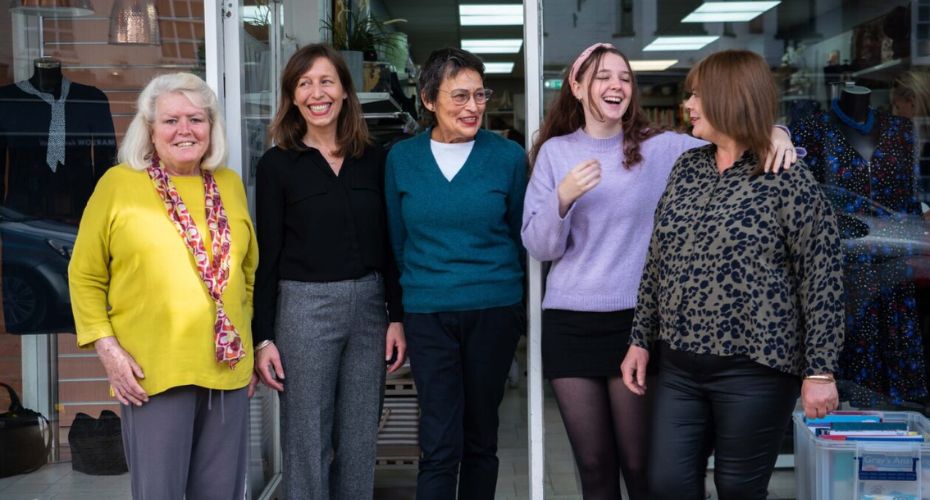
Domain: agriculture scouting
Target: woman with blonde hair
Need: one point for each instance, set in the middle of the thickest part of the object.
(161, 286)
(910, 97)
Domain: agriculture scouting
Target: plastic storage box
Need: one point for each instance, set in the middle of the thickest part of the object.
(862, 470)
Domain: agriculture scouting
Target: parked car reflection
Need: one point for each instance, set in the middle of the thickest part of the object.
(35, 273)
(869, 228)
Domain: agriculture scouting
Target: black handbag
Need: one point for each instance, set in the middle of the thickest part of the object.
(25, 438)
(97, 444)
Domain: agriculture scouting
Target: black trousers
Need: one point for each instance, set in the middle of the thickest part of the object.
(460, 362)
(732, 405)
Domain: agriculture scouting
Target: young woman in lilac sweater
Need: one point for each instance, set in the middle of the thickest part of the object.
(599, 168)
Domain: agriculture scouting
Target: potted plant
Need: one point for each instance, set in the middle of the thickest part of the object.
(356, 29)
(359, 35)
(257, 20)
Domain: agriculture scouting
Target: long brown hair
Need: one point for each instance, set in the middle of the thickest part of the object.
(288, 128)
(738, 97)
(566, 114)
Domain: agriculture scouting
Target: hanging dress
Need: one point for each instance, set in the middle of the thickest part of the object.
(883, 350)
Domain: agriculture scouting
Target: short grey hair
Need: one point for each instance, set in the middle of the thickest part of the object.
(442, 64)
(137, 149)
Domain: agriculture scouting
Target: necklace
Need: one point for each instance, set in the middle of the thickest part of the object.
(332, 160)
(861, 127)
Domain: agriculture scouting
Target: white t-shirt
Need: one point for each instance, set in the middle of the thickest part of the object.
(451, 157)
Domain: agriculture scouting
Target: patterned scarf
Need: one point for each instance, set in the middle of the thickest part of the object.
(215, 275)
(55, 151)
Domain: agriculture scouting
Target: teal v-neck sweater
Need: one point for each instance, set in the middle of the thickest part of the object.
(457, 243)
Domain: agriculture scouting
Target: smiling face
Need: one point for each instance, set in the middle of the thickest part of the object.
(605, 92)
(320, 95)
(701, 128)
(457, 122)
(180, 133)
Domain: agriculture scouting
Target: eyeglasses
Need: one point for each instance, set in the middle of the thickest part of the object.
(461, 96)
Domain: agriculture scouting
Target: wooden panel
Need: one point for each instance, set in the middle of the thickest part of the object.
(10, 345)
(69, 368)
(76, 392)
(67, 344)
(11, 372)
(398, 438)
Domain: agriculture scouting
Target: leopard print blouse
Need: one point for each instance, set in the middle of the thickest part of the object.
(743, 264)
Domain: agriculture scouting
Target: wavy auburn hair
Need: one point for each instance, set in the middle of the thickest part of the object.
(566, 113)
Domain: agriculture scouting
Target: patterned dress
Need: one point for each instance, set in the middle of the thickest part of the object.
(883, 354)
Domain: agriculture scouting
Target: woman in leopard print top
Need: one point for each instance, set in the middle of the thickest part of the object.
(741, 294)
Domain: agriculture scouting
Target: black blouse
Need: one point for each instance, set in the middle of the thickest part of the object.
(315, 226)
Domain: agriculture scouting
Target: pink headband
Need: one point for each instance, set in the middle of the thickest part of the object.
(584, 57)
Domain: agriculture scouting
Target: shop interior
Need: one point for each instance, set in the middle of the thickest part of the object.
(819, 50)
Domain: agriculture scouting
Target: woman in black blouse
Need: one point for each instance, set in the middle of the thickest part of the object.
(327, 301)
(741, 294)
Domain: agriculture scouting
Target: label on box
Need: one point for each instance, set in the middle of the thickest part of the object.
(887, 467)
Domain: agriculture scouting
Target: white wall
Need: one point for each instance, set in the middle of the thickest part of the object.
(302, 19)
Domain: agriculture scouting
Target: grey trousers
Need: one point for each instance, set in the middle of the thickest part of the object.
(188, 440)
(331, 337)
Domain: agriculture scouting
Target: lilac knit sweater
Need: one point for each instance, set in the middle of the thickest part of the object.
(599, 248)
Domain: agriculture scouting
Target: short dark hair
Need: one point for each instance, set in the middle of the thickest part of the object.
(289, 127)
(442, 64)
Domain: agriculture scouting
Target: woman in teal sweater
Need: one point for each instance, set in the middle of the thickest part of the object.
(454, 204)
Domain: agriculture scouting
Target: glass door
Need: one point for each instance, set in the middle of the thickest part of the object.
(254, 52)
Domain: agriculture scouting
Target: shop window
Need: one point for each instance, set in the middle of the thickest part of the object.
(70, 73)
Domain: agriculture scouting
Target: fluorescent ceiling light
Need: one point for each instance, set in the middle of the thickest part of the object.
(652, 64)
(492, 46)
(722, 12)
(498, 67)
(671, 43)
(491, 15)
(720, 17)
(737, 6)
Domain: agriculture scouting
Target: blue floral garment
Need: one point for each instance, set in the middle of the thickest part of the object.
(883, 353)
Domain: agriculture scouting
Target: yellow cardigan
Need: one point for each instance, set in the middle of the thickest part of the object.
(132, 276)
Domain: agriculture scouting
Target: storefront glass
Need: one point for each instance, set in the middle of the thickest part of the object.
(876, 181)
(70, 74)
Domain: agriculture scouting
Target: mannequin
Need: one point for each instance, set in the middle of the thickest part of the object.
(854, 104)
(56, 140)
(46, 76)
(867, 156)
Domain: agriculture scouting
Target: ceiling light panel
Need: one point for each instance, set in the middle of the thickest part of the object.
(493, 46)
(737, 6)
(723, 12)
(671, 43)
(491, 15)
(498, 67)
(652, 64)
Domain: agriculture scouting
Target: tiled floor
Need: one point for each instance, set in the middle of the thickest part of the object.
(59, 482)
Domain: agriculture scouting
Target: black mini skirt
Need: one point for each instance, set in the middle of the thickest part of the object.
(584, 344)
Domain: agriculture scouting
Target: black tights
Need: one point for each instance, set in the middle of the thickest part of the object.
(608, 428)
